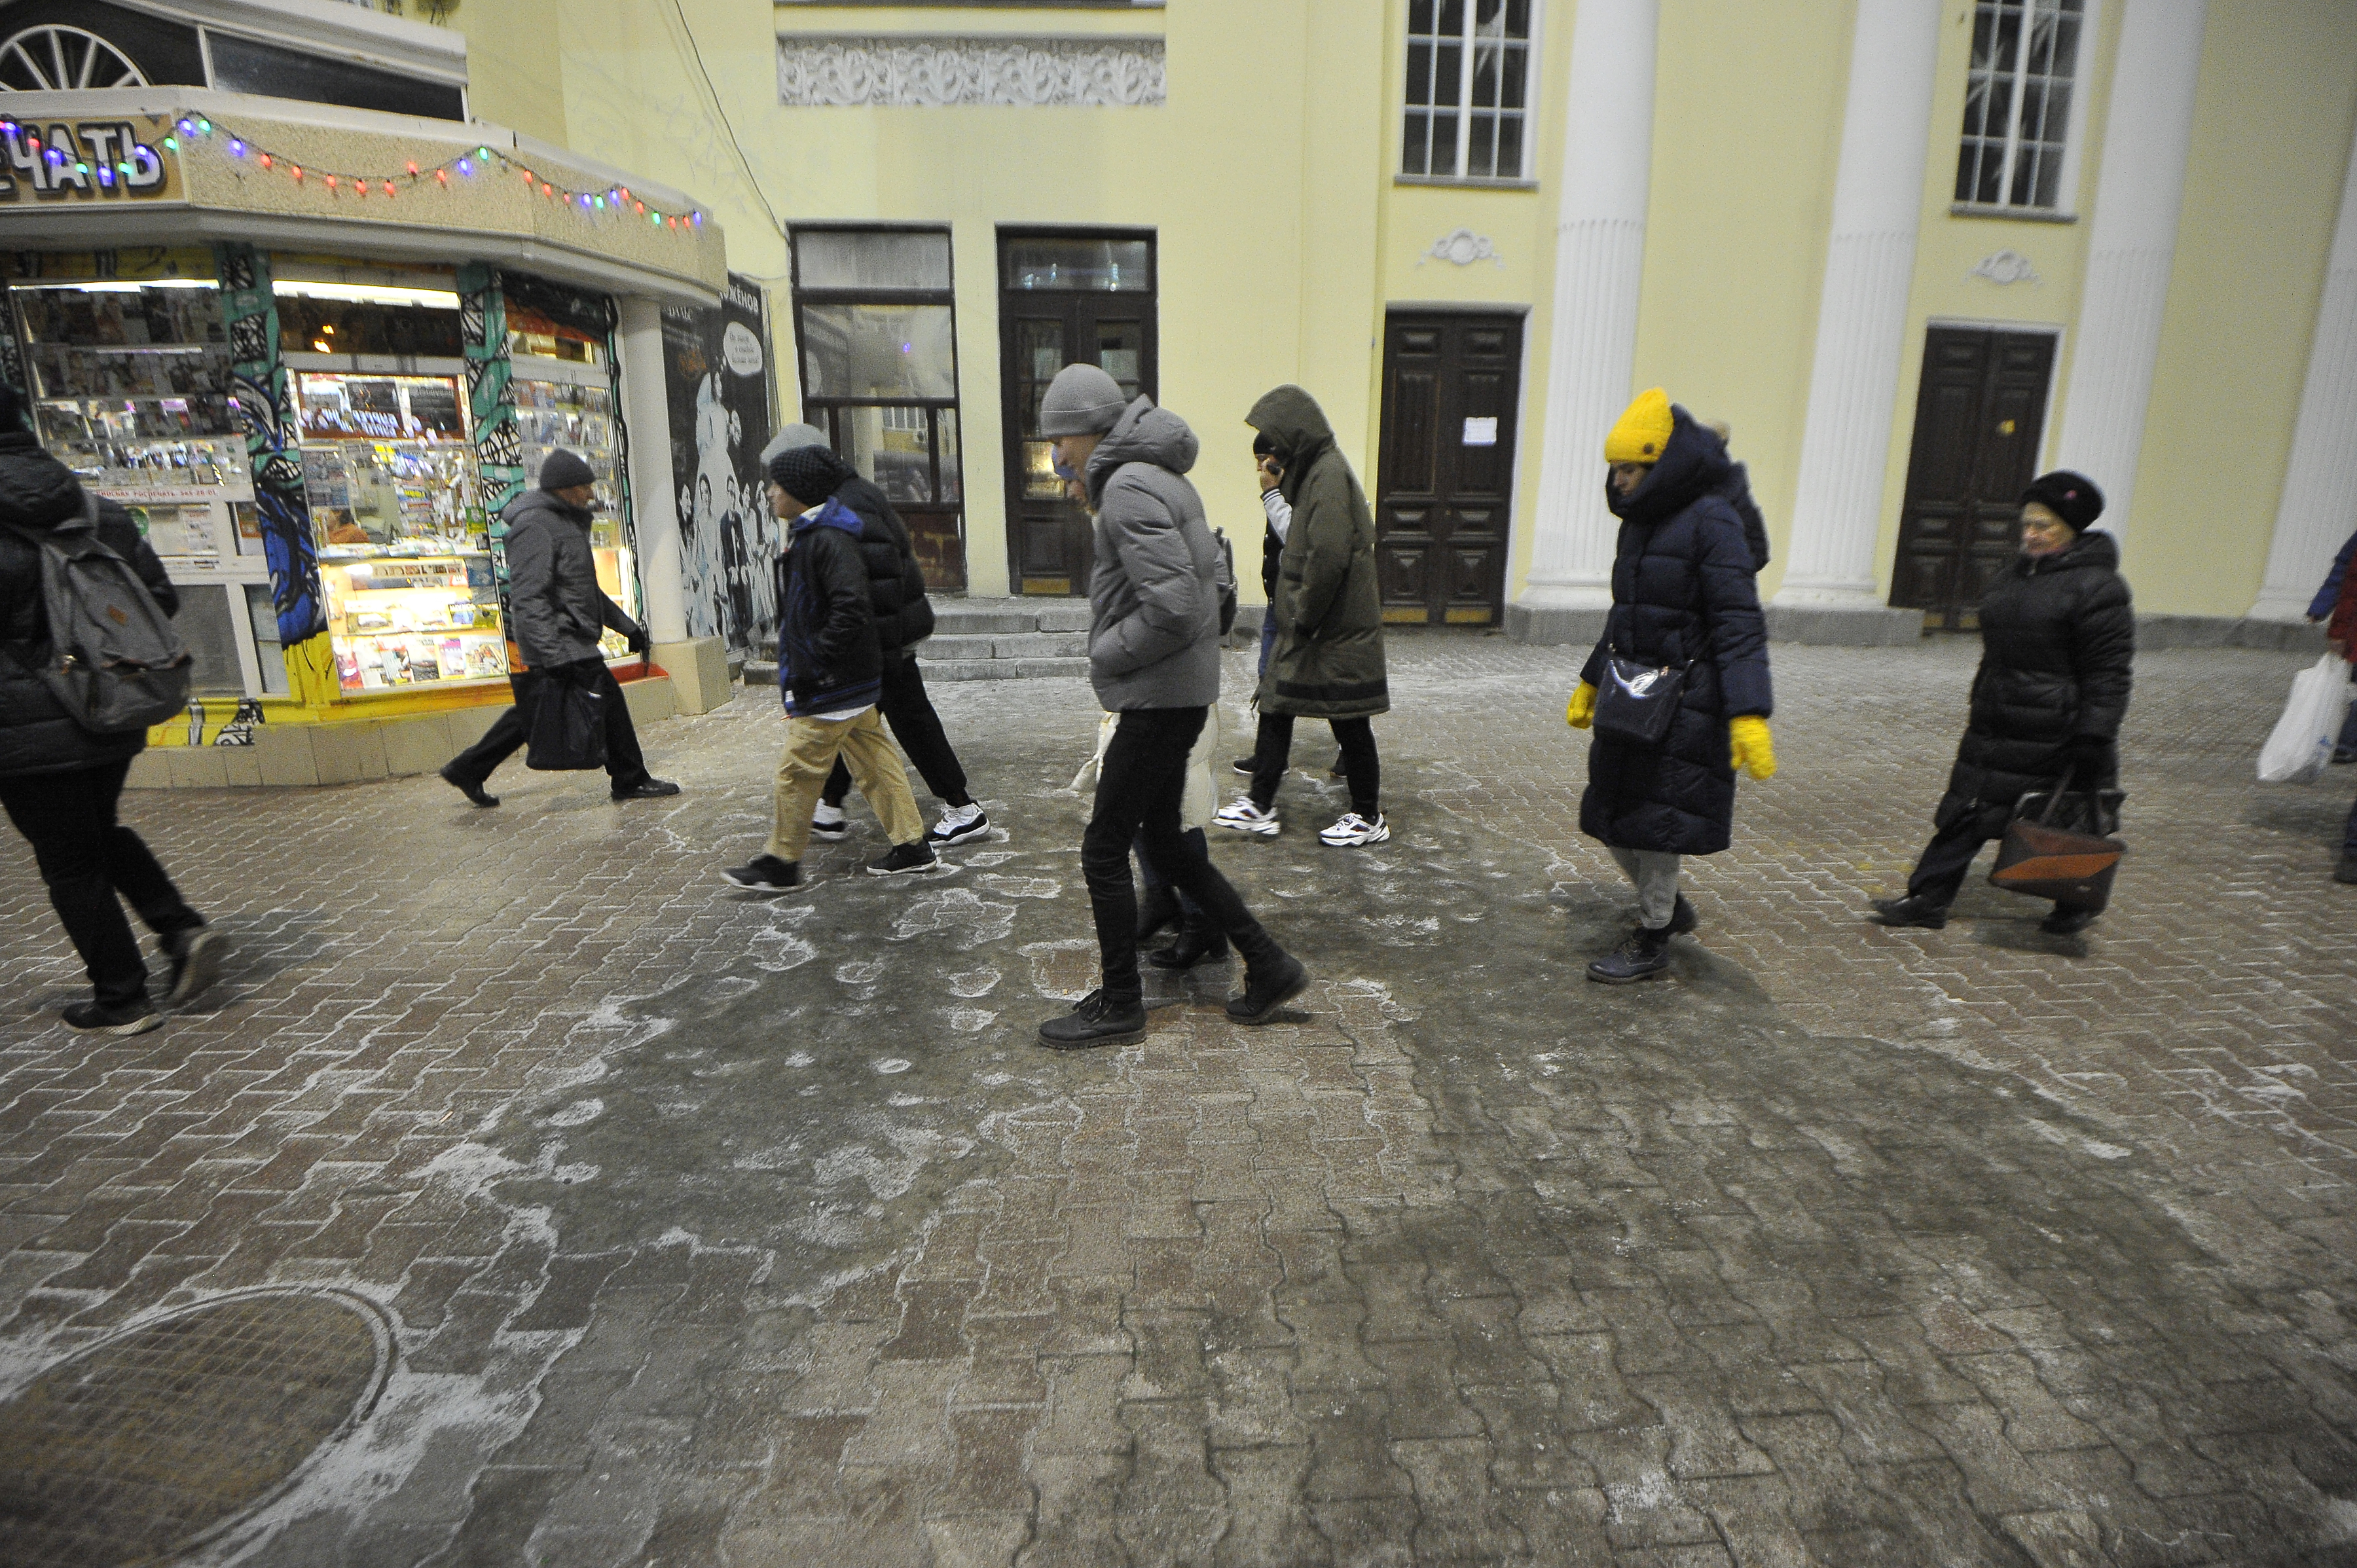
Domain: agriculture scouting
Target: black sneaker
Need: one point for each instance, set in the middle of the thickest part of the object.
(1265, 986)
(130, 1018)
(470, 788)
(1644, 955)
(1095, 1020)
(834, 832)
(1248, 766)
(1682, 918)
(905, 858)
(648, 790)
(2067, 922)
(1914, 911)
(767, 874)
(196, 962)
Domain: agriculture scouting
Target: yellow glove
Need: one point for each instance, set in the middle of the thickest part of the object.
(1580, 711)
(1749, 747)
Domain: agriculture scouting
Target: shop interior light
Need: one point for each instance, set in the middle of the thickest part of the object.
(369, 293)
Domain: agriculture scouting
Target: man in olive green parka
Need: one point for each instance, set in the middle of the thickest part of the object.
(1329, 660)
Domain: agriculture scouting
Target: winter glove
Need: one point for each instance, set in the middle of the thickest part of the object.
(2089, 758)
(1580, 711)
(1749, 747)
(641, 643)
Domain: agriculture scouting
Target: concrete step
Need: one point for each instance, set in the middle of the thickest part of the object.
(1003, 668)
(955, 619)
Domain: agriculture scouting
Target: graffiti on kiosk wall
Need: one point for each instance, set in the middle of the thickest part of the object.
(716, 379)
(94, 159)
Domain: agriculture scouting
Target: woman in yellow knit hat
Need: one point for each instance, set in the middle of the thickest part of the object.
(1685, 616)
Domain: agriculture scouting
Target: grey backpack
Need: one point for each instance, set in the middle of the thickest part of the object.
(115, 659)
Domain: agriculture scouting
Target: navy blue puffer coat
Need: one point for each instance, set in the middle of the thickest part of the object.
(1682, 593)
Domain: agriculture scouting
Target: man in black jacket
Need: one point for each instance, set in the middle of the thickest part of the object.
(60, 782)
(904, 617)
(557, 611)
(830, 669)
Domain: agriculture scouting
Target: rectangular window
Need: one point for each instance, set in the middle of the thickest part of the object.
(876, 327)
(2018, 102)
(1468, 100)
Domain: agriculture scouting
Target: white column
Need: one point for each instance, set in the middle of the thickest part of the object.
(2318, 509)
(2131, 245)
(1600, 261)
(647, 409)
(1862, 313)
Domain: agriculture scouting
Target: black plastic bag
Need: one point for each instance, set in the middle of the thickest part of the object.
(568, 721)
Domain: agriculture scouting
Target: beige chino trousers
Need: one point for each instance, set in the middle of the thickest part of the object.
(812, 746)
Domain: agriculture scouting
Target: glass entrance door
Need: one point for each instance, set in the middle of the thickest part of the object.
(1064, 299)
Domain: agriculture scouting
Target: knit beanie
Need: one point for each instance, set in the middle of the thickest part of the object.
(1082, 401)
(809, 474)
(1643, 430)
(791, 436)
(561, 471)
(2071, 497)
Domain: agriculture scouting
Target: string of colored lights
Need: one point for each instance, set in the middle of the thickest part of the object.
(616, 200)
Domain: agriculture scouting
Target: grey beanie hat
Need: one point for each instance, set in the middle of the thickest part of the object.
(789, 437)
(1082, 401)
(561, 470)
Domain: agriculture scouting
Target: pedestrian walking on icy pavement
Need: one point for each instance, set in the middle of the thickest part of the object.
(2058, 640)
(1328, 661)
(557, 613)
(904, 617)
(1154, 659)
(2341, 635)
(1685, 626)
(61, 783)
(830, 674)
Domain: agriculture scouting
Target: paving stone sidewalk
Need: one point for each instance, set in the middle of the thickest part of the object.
(726, 1229)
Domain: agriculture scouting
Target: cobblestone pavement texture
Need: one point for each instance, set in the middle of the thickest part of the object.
(716, 1229)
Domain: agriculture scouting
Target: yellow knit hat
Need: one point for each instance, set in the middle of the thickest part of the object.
(1643, 431)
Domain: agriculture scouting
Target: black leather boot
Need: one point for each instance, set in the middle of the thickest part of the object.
(1200, 941)
(1156, 910)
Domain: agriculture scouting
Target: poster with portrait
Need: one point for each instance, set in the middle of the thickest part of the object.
(718, 380)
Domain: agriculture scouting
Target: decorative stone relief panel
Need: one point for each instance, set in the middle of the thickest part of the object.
(832, 71)
(1463, 247)
(2006, 267)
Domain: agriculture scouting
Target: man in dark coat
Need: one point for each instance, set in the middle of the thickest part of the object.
(904, 617)
(830, 674)
(1683, 598)
(1328, 661)
(2341, 635)
(60, 783)
(2058, 640)
(2321, 609)
(557, 613)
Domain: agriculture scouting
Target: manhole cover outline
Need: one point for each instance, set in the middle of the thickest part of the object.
(385, 1342)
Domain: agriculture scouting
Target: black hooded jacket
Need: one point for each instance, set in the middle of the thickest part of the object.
(1682, 594)
(37, 493)
(896, 582)
(2058, 640)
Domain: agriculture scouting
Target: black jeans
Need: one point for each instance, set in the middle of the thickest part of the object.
(918, 728)
(1274, 749)
(86, 858)
(1940, 870)
(1193, 839)
(1139, 787)
(625, 765)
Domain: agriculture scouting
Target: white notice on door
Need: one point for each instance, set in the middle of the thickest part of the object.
(1482, 431)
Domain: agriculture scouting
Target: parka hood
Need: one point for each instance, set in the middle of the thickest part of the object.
(37, 491)
(830, 513)
(2093, 548)
(1297, 427)
(532, 501)
(1144, 435)
(1694, 462)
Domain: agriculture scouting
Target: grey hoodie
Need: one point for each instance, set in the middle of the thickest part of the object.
(1154, 637)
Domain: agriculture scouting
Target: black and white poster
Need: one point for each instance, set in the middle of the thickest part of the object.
(718, 379)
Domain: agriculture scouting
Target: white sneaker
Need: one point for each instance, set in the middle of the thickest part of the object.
(1354, 830)
(828, 822)
(1248, 818)
(959, 824)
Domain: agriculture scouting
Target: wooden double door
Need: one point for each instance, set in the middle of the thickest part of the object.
(1980, 415)
(1452, 384)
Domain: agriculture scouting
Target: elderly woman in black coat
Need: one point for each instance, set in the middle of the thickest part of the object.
(2058, 636)
(1682, 600)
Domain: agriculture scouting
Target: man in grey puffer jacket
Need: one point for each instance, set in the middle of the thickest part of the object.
(557, 611)
(1154, 657)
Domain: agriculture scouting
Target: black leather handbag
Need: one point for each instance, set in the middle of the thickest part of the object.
(2042, 858)
(1636, 703)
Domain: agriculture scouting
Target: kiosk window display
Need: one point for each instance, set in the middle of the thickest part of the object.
(131, 389)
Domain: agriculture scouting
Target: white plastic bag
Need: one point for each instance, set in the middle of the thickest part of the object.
(2303, 739)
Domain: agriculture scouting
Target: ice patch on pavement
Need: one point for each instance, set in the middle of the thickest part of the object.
(575, 1114)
